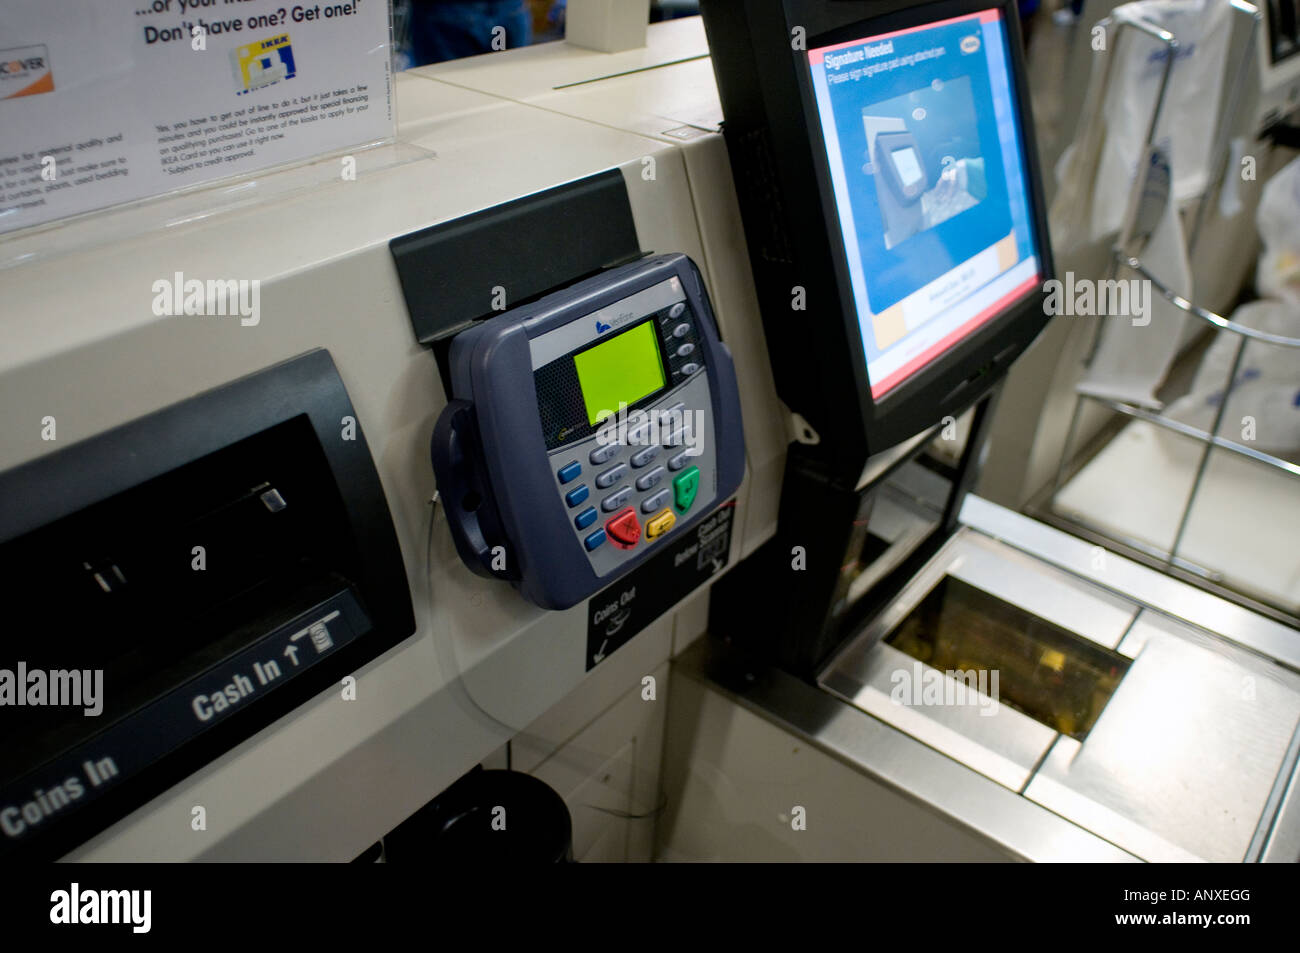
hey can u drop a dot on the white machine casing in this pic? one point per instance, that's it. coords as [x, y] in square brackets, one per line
[484, 666]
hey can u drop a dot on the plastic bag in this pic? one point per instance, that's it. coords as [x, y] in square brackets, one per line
[1136, 350]
[1264, 405]
[1263, 414]
[1190, 111]
[1096, 171]
[1278, 218]
[1259, 359]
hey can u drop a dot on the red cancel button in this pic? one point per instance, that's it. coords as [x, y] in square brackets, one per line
[624, 529]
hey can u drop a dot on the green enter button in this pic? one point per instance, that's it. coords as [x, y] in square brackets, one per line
[685, 486]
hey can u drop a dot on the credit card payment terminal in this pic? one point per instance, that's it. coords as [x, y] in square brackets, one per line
[585, 428]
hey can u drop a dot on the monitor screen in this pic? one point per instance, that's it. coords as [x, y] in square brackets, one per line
[926, 273]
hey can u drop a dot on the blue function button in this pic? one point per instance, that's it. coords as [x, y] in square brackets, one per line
[603, 454]
[685, 349]
[676, 310]
[656, 502]
[690, 368]
[576, 495]
[642, 457]
[570, 471]
[681, 330]
[616, 499]
[679, 461]
[585, 518]
[651, 479]
[594, 540]
[611, 476]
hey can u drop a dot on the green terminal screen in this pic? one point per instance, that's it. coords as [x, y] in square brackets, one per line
[621, 370]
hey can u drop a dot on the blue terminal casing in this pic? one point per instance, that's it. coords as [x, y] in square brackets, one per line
[541, 490]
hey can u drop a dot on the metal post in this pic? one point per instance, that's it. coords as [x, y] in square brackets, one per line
[1209, 447]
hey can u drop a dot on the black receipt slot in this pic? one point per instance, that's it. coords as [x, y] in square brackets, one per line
[177, 583]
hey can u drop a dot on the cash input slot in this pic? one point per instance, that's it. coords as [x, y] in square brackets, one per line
[177, 583]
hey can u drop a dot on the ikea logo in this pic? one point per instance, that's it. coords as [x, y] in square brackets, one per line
[970, 44]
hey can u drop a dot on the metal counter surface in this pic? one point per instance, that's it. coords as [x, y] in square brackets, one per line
[1016, 825]
[1192, 758]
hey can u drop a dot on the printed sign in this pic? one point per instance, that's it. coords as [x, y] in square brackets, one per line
[109, 101]
[619, 612]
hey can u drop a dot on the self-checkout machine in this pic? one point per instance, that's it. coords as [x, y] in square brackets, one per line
[895, 580]
[879, 529]
[471, 662]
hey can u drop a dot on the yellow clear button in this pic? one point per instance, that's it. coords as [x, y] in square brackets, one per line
[658, 525]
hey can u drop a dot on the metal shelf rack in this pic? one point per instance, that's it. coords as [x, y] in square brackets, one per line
[1074, 459]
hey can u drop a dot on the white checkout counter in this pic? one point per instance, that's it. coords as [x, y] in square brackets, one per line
[328, 780]
[743, 746]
